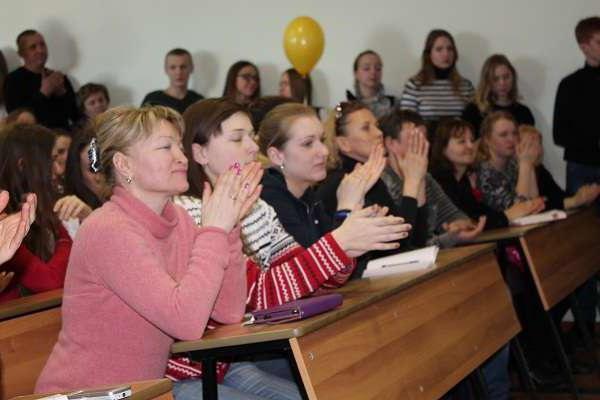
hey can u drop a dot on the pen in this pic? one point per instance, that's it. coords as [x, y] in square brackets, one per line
[401, 263]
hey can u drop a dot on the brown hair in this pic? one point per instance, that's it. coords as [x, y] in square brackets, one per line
[203, 121]
[26, 167]
[230, 89]
[427, 73]
[301, 87]
[391, 123]
[119, 128]
[586, 28]
[487, 127]
[25, 33]
[447, 129]
[87, 90]
[260, 107]
[275, 126]
[484, 96]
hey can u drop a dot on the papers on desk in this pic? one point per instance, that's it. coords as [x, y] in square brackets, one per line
[550, 215]
[402, 262]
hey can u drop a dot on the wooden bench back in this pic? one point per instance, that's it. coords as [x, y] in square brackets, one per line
[25, 345]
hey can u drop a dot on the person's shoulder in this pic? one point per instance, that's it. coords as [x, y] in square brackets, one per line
[17, 73]
[192, 94]
[154, 95]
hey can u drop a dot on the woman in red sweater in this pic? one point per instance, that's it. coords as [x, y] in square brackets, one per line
[40, 263]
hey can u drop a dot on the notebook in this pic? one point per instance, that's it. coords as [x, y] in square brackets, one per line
[402, 262]
[547, 216]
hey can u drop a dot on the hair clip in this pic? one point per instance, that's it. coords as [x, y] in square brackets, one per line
[94, 156]
[338, 111]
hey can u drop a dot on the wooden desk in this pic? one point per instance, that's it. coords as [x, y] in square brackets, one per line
[30, 304]
[159, 389]
[561, 255]
[406, 336]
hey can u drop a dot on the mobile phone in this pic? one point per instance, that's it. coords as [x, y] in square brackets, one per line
[112, 393]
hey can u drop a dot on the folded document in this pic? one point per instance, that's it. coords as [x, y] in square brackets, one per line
[550, 215]
[402, 262]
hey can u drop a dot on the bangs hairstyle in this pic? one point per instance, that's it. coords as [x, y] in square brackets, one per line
[203, 121]
[26, 167]
[447, 129]
[89, 89]
[275, 127]
[427, 73]
[335, 126]
[119, 128]
[487, 127]
[484, 96]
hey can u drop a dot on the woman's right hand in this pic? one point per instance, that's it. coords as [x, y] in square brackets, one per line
[370, 229]
[529, 150]
[414, 163]
[355, 185]
[525, 208]
[232, 197]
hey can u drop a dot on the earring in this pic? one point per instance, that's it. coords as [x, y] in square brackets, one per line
[128, 179]
[281, 167]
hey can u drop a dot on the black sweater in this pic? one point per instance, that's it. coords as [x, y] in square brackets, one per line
[548, 188]
[22, 89]
[521, 112]
[462, 195]
[378, 194]
[305, 218]
[576, 117]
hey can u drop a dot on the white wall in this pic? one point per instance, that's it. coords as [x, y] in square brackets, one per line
[122, 43]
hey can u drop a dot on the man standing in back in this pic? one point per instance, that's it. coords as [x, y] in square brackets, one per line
[178, 67]
[46, 92]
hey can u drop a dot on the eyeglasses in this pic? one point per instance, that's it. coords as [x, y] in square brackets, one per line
[249, 77]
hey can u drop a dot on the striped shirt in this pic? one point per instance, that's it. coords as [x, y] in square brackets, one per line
[436, 99]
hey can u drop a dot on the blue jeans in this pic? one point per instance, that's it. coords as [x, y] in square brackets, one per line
[579, 175]
[243, 381]
[587, 294]
[495, 372]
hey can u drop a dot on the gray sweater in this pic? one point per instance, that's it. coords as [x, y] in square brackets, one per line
[440, 208]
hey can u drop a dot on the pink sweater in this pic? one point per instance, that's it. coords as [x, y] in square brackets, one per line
[136, 280]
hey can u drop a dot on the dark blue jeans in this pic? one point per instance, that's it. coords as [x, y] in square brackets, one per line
[587, 294]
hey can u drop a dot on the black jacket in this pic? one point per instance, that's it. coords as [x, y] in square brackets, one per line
[377, 195]
[305, 218]
[576, 118]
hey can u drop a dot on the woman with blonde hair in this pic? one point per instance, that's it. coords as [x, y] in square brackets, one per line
[140, 267]
[506, 173]
[497, 91]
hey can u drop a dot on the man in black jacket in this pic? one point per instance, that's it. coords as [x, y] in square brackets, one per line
[576, 119]
[47, 93]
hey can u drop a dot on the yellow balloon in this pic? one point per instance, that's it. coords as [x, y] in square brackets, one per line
[303, 42]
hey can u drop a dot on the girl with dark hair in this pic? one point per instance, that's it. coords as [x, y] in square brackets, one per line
[368, 89]
[497, 91]
[294, 86]
[92, 99]
[40, 263]
[242, 84]
[81, 181]
[437, 90]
